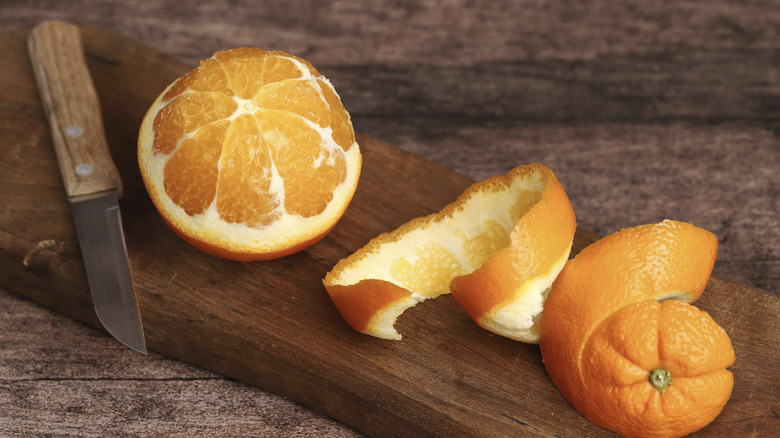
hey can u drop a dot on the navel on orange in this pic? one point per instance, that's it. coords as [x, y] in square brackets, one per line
[249, 156]
[498, 248]
[621, 342]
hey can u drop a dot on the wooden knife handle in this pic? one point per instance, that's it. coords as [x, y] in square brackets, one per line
[73, 109]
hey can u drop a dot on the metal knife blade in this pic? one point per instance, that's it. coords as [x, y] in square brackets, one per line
[91, 179]
[102, 242]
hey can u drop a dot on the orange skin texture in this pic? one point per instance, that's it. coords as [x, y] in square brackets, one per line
[603, 331]
[359, 303]
[538, 240]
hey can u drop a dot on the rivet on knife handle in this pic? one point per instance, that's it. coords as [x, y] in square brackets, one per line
[73, 109]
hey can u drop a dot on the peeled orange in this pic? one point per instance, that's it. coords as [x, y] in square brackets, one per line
[498, 247]
[249, 156]
[621, 342]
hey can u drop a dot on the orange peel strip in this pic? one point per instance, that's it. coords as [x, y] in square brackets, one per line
[603, 328]
[498, 247]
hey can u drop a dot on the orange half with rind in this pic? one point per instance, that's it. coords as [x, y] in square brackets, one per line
[499, 245]
[249, 156]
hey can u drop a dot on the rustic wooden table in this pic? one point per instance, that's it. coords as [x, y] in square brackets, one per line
[644, 109]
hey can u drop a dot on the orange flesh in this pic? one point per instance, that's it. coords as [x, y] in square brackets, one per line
[237, 125]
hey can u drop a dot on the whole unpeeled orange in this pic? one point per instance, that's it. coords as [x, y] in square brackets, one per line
[249, 156]
[621, 342]
[497, 248]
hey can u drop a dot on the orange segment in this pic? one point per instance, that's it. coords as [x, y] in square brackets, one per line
[340, 124]
[243, 70]
[191, 173]
[492, 223]
[618, 317]
[278, 67]
[310, 171]
[187, 113]
[245, 178]
[241, 158]
[298, 97]
[208, 77]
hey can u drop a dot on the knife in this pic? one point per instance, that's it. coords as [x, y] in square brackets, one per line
[92, 181]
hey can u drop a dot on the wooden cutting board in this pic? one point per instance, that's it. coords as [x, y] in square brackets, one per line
[271, 324]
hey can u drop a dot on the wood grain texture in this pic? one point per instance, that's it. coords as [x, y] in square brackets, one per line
[645, 110]
[73, 109]
[104, 389]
